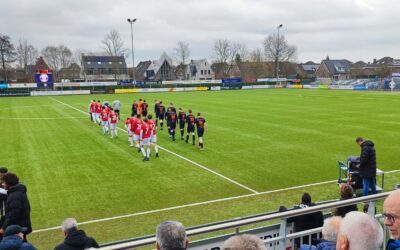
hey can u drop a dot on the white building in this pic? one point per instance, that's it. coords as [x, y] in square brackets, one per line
[199, 70]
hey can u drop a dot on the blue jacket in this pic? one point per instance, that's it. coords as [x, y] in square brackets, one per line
[322, 245]
[14, 242]
[393, 245]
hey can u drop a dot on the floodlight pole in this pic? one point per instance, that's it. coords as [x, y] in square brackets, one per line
[131, 21]
[277, 55]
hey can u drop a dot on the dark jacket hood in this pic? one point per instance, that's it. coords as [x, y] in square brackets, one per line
[76, 238]
[367, 144]
[18, 188]
[11, 242]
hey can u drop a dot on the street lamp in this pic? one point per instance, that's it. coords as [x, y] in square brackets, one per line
[131, 21]
[277, 55]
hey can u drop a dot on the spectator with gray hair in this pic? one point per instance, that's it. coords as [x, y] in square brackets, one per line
[391, 212]
[171, 235]
[330, 231]
[359, 231]
[75, 239]
[244, 242]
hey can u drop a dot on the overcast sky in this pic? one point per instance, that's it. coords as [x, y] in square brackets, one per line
[343, 29]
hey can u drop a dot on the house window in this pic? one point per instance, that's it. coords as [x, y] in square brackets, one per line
[89, 62]
[120, 63]
[98, 62]
[109, 62]
[201, 72]
[209, 72]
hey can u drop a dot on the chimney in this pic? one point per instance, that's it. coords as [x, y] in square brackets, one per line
[327, 58]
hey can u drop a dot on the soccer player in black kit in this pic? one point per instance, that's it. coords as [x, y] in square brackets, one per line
[161, 114]
[156, 110]
[201, 126]
[182, 121]
[190, 120]
[171, 122]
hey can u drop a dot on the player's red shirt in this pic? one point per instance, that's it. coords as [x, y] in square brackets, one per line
[128, 123]
[104, 115]
[93, 107]
[146, 130]
[98, 108]
[113, 117]
[108, 110]
[152, 125]
[136, 125]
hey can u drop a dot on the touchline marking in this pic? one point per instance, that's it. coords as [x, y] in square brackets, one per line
[198, 204]
[40, 118]
[180, 156]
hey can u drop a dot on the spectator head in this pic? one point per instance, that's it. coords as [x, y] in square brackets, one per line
[69, 225]
[3, 171]
[15, 230]
[171, 235]
[359, 231]
[244, 242]
[198, 114]
[331, 228]
[149, 116]
[305, 199]
[346, 191]
[391, 211]
[190, 111]
[359, 140]
[10, 180]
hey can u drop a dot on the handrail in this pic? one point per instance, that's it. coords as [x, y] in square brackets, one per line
[239, 223]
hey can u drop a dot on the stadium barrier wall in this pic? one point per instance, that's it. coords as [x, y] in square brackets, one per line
[60, 92]
[340, 87]
[277, 241]
[149, 90]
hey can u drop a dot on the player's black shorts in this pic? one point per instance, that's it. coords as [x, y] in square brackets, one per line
[144, 113]
[190, 128]
[161, 116]
[171, 125]
[200, 132]
[181, 125]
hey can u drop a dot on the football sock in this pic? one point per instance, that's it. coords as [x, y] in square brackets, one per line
[143, 152]
[194, 139]
[148, 153]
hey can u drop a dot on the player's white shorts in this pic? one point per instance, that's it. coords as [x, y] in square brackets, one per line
[113, 126]
[105, 123]
[130, 133]
[94, 116]
[145, 142]
[136, 137]
[97, 115]
[153, 139]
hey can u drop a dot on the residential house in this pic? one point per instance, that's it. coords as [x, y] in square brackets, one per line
[334, 69]
[104, 68]
[70, 74]
[141, 69]
[28, 76]
[309, 69]
[161, 69]
[199, 70]
[381, 68]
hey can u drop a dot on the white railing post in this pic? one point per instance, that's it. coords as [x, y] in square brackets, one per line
[282, 235]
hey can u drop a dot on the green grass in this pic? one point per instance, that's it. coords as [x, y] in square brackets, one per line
[263, 139]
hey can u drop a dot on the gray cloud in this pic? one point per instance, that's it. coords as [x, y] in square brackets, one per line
[351, 29]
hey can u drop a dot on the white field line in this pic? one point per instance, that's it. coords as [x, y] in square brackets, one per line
[32, 106]
[39, 118]
[198, 204]
[180, 156]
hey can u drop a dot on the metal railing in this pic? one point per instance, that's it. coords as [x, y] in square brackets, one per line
[283, 216]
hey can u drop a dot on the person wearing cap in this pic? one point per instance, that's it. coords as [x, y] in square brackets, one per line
[13, 239]
[367, 165]
[75, 239]
[17, 207]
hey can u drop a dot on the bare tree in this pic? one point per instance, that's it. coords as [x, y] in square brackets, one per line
[277, 49]
[65, 55]
[7, 53]
[181, 56]
[26, 55]
[113, 44]
[52, 57]
[225, 53]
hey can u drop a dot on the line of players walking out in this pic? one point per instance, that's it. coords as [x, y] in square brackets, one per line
[142, 129]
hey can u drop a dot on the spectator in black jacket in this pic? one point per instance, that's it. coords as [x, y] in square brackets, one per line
[306, 221]
[17, 207]
[3, 195]
[367, 165]
[346, 192]
[75, 239]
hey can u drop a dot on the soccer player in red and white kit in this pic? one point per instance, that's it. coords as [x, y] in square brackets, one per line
[136, 126]
[145, 134]
[92, 110]
[153, 137]
[128, 130]
[98, 112]
[113, 123]
[104, 119]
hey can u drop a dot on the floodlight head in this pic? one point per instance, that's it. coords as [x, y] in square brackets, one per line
[129, 20]
[280, 26]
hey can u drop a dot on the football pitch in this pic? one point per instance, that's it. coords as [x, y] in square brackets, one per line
[260, 144]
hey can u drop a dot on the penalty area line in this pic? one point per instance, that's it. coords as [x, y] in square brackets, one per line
[177, 155]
